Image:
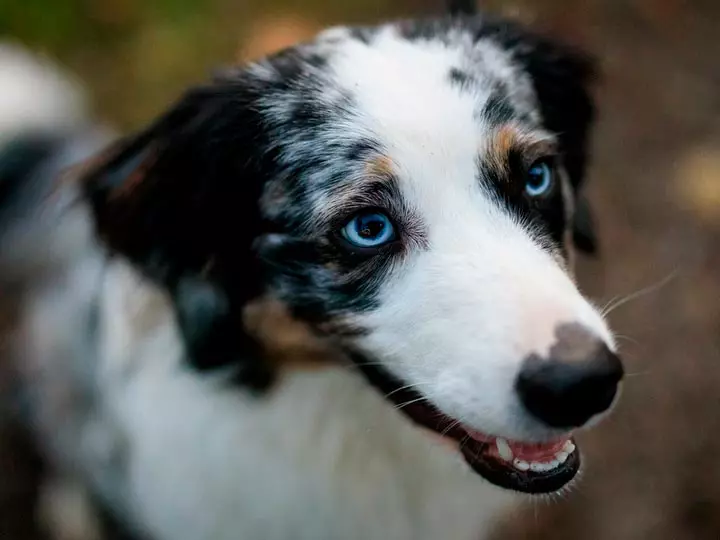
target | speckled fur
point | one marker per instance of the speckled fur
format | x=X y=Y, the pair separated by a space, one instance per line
x=179 y=422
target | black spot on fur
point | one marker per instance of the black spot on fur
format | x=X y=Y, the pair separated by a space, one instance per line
x=364 y=34
x=362 y=149
x=427 y=29
x=19 y=160
x=497 y=110
x=461 y=78
x=210 y=332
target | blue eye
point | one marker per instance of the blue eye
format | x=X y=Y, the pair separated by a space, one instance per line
x=539 y=179
x=368 y=230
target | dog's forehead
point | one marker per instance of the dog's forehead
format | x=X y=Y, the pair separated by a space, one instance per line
x=426 y=103
x=406 y=81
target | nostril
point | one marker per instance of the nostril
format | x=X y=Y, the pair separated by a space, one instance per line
x=566 y=394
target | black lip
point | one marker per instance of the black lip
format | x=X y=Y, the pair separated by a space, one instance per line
x=498 y=472
x=506 y=476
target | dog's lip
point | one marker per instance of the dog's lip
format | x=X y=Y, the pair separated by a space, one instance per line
x=533 y=467
x=507 y=475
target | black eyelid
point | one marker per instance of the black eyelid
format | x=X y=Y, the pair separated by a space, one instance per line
x=344 y=218
x=552 y=160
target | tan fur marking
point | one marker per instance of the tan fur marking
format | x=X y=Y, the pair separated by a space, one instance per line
x=380 y=167
x=501 y=143
x=505 y=139
x=508 y=138
x=289 y=344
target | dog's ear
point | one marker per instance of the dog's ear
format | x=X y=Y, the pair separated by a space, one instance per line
x=563 y=77
x=562 y=80
x=180 y=201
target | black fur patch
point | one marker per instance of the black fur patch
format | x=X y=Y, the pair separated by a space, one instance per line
x=19 y=160
x=365 y=34
x=498 y=110
x=461 y=78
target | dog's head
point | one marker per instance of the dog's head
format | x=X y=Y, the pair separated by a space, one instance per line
x=410 y=191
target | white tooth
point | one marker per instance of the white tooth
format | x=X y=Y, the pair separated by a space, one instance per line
x=553 y=465
x=521 y=465
x=504 y=449
x=569 y=447
x=537 y=467
x=561 y=457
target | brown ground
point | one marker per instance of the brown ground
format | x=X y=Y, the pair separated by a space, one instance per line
x=652 y=470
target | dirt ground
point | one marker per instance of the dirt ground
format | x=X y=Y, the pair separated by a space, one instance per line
x=655 y=187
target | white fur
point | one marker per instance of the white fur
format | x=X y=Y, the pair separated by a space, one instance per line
x=35 y=95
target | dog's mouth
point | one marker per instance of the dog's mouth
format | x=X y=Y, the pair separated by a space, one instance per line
x=527 y=467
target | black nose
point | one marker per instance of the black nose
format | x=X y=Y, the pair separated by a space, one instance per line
x=578 y=380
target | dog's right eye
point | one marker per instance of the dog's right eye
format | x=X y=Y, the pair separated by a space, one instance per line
x=369 y=229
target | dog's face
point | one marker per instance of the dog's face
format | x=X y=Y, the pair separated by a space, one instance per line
x=409 y=190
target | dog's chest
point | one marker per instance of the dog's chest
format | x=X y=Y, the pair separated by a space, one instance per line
x=323 y=456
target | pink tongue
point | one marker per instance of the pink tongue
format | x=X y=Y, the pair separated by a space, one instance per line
x=524 y=451
x=536 y=451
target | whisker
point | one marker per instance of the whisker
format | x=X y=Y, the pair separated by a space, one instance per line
x=411 y=385
x=638 y=373
x=449 y=427
x=603 y=310
x=627 y=338
x=463 y=441
x=616 y=302
x=400 y=406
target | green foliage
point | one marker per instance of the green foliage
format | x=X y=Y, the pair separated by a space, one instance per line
x=137 y=55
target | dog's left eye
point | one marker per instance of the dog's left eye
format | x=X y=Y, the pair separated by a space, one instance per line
x=539 y=179
x=369 y=230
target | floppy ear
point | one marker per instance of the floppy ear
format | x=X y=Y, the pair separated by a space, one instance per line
x=180 y=201
x=562 y=79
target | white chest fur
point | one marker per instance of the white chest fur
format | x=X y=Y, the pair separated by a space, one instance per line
x=184 y=457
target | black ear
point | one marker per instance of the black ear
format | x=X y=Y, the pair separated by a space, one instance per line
x=180 y=201
x=562 y=77
x=583 y=227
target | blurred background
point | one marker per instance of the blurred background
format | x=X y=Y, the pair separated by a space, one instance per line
x=655 y=187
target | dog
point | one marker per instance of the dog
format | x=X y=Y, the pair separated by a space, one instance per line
x=326 y=295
